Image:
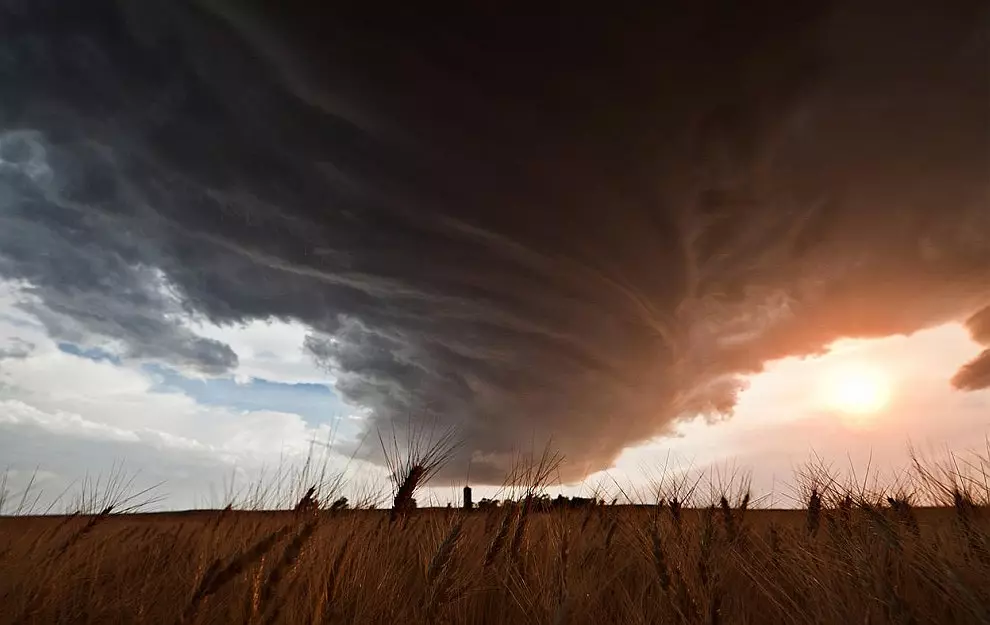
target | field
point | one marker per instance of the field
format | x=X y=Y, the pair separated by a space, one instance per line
x=843 y=559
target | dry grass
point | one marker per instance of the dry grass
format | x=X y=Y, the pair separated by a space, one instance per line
x=874 y=565
x=849 y=555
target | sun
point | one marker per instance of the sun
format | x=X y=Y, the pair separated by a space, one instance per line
x=857 y=390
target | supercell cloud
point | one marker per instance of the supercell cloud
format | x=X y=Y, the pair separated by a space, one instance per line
x=580 y=228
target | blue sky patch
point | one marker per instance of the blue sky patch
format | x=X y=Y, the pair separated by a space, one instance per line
x=316 y=403
x=90 y=353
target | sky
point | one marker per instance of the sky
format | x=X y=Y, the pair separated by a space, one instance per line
x=704 y=232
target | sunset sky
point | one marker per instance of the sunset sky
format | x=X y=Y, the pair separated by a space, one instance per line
x=697 y=239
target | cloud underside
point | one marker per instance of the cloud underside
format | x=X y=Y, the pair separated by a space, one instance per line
x=975 y=375
x=583 y=237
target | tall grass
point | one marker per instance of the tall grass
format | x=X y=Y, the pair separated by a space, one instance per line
x=914 y=551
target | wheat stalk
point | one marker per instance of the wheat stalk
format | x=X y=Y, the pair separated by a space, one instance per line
x=218 y=575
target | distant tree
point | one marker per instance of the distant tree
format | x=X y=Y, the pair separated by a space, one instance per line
x=539 y=503
x=583 y=502
x=574 y=502
x=340 y=504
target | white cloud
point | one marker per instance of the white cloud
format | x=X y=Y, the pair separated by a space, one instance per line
x=73 y=416
x=17 y=413
x=270 y=350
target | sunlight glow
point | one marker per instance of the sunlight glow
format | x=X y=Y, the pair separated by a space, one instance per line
x=857 y=390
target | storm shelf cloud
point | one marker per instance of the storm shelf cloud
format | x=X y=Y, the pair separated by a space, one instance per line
x=579 y=228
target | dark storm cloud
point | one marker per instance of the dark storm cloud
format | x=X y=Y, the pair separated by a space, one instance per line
x=576 y=227
x=88 y=271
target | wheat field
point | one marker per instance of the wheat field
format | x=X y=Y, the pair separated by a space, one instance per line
x=847 y=557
